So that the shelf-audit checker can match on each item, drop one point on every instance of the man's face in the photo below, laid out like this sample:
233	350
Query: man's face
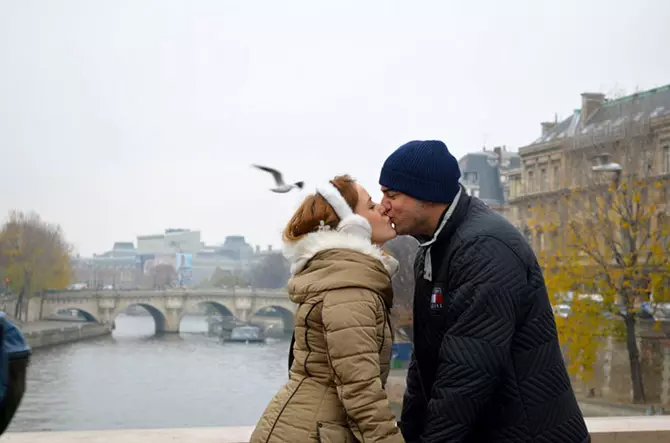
406	213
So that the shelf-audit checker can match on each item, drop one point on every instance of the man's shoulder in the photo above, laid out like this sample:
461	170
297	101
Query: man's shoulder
485	226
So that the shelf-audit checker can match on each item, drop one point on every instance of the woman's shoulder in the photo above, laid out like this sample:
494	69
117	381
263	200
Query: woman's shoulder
355	299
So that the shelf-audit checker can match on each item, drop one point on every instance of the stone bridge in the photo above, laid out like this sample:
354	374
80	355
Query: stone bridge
166	307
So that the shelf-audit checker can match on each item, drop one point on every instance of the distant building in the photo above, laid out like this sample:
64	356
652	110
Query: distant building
172	241
112	269
484	175
125	267
234	257
236	248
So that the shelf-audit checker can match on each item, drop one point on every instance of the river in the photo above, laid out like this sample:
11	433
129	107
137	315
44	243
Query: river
134	379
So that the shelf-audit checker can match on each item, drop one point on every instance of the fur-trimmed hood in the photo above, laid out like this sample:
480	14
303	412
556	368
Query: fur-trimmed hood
327	260
300	252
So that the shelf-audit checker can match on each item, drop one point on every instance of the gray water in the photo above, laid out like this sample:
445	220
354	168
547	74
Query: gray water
134	379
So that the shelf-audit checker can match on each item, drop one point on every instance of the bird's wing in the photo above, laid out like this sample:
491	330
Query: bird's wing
276	174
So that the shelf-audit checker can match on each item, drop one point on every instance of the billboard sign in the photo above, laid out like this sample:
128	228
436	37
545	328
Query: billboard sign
184	267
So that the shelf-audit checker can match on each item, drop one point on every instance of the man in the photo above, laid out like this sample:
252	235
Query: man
487	366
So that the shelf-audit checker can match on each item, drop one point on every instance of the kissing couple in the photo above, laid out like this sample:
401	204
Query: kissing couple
486	363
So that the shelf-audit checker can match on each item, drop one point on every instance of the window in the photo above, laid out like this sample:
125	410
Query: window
530	185
471	177
518	187
555	177
543	179
666	159
648	166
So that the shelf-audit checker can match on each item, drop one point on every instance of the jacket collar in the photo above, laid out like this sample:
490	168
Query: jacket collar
451	219
300	252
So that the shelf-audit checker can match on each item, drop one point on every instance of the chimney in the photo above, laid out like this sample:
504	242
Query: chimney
498	152
546	127
258	249
269	248
591	101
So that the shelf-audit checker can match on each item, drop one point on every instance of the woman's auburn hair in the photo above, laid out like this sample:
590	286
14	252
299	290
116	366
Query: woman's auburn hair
314	209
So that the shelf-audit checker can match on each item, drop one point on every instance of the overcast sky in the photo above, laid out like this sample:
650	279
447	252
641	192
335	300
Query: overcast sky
123	118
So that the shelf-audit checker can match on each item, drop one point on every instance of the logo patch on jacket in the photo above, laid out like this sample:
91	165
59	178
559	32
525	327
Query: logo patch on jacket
436	299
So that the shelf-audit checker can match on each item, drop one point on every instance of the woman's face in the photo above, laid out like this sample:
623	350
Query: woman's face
382	231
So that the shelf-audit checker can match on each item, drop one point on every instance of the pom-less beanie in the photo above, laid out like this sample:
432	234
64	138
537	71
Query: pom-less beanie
425	170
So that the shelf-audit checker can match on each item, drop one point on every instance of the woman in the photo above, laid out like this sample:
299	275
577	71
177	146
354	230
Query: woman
340	357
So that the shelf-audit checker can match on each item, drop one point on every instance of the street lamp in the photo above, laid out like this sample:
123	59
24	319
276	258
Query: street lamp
610	167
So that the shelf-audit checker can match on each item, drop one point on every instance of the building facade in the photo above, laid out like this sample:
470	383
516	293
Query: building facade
485	175
112	269
632	132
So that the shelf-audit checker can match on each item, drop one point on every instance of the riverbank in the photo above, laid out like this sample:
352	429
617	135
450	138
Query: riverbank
41	334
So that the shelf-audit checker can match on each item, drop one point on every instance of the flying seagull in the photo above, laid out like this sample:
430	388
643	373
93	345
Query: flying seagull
279	180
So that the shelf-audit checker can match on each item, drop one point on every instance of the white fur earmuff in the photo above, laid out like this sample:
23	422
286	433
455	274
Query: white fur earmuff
350	223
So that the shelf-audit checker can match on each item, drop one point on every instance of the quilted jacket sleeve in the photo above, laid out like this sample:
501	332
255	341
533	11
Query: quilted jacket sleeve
350	322
476	348
414	404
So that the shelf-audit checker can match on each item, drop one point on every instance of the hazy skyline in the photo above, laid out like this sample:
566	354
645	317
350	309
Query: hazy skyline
124	118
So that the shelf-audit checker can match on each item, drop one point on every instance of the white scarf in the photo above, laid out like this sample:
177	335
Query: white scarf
425	247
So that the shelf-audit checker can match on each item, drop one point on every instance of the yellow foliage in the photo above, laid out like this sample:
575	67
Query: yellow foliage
581	335
33	255
611	252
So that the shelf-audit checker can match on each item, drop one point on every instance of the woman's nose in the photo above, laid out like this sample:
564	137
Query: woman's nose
385	205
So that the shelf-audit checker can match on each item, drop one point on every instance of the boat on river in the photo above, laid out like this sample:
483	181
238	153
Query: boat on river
246	334
235	331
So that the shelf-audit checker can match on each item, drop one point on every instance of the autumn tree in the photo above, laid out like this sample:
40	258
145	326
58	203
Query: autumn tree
34	257
228	280
404	250
164	275
271	272
605	241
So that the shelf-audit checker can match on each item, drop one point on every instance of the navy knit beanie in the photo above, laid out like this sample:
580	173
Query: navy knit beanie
425	170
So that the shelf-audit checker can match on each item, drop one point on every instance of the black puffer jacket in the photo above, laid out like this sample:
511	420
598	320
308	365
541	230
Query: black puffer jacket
487	366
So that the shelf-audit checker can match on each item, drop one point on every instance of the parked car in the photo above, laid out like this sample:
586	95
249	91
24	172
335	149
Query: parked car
562	310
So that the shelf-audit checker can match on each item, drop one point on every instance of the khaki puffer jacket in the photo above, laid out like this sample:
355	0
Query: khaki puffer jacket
342	348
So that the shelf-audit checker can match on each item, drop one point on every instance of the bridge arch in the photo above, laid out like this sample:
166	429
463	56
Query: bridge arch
262	315
156	314
82	313
219	308
221	312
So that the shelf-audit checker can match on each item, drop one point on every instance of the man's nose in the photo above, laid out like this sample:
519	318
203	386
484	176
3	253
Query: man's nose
386	205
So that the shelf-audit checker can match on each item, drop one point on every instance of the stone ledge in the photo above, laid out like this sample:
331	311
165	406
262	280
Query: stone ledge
182	435
603	430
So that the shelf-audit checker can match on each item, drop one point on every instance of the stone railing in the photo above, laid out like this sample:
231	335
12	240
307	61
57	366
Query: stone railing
603	430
